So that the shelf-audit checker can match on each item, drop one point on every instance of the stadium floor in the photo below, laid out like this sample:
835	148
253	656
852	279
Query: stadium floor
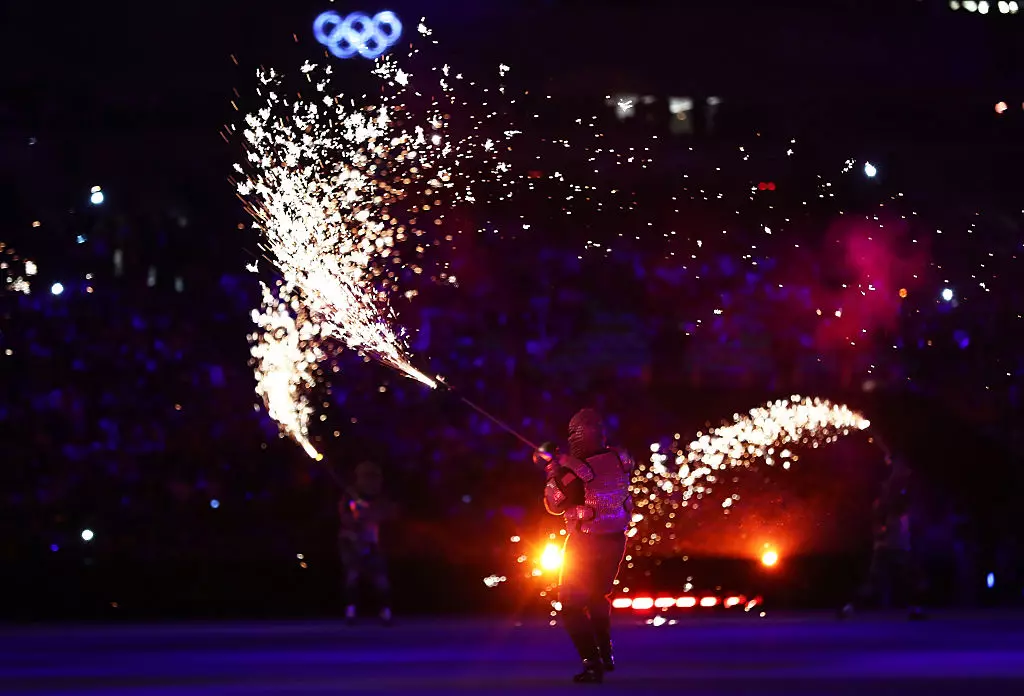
775	655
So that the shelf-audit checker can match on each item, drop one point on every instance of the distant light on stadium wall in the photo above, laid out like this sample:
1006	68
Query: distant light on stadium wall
679	105
96	196
1001	107
870	170
56	289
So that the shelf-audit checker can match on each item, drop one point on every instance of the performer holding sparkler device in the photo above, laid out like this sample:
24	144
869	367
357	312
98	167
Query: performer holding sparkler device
590	488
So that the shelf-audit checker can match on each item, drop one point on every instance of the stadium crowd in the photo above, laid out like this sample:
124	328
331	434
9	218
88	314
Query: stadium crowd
128	406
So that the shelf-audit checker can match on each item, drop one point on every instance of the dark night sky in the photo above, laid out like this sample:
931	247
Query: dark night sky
116	89
174	55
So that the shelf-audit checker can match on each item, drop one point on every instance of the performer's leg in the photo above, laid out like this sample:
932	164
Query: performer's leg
350	567
868	592
611	549
913	584
382	583
872	592
574	595
887	577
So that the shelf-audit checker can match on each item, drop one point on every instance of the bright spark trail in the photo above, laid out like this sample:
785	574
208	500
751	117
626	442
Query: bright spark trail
285	356
766	435
339	191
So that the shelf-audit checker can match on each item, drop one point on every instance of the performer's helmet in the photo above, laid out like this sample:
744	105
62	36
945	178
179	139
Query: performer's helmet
545	453
900	477
369	478
586	434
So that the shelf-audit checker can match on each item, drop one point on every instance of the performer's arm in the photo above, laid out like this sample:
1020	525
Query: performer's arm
347	519
562	490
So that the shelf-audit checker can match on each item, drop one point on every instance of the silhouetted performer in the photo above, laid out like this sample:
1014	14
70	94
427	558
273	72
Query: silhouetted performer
362	509
590	487
894	569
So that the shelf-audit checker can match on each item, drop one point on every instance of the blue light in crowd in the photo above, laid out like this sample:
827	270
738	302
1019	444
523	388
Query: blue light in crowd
947	294
215	503
54	548
80	239
990	580
56	288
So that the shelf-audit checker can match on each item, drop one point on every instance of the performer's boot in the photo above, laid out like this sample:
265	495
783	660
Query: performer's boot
603	638
581	632
593	672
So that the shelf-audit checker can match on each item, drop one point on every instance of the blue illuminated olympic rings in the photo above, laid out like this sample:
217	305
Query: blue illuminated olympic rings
358	33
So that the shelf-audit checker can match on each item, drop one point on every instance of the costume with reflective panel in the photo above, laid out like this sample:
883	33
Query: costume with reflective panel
362	509
590	488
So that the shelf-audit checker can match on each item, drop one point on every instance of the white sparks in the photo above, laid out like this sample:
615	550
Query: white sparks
756	437
285	357
342	193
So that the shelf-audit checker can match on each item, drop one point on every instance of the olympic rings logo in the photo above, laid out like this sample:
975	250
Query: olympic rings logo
358	33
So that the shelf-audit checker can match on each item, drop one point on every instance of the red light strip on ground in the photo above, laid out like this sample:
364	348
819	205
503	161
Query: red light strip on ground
648	603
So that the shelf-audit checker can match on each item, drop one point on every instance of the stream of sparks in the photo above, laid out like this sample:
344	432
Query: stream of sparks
340	189
285	356
766	435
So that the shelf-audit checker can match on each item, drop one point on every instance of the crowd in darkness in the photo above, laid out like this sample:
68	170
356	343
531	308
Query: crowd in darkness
128	404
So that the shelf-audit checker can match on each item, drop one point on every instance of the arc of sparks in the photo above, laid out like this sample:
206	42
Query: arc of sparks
765	434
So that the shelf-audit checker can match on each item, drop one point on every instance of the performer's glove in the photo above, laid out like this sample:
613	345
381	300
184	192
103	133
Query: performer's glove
547	456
